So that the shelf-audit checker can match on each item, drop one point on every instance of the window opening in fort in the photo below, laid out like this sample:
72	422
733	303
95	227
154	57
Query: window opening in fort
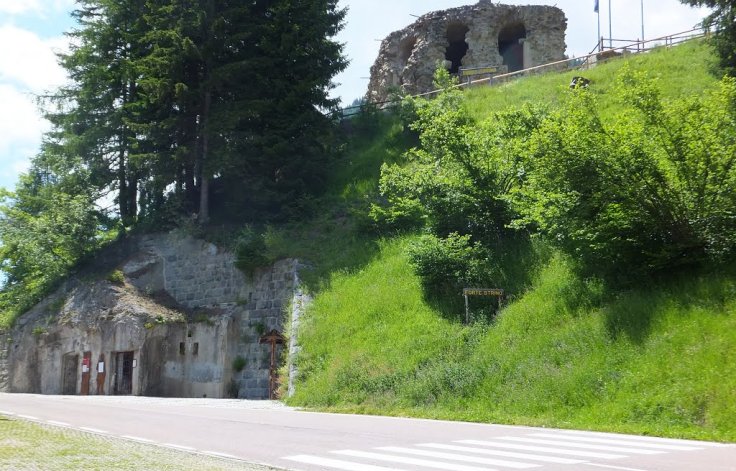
511	47
195	348
406	47
456	45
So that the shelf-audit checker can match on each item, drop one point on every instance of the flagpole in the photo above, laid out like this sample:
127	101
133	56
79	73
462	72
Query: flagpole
599	39
642	20
610	27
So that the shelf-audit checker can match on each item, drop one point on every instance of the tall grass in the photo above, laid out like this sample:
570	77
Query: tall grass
566	354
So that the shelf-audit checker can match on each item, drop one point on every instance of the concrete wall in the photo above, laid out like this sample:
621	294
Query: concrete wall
219	310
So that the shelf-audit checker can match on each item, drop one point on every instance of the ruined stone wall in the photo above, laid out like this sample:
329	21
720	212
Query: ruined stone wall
408	58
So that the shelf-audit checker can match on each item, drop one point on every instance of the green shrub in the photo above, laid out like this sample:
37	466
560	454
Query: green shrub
116	277
444	265
251	251
645	193
239	363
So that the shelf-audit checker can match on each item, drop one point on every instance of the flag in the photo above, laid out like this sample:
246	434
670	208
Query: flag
595	6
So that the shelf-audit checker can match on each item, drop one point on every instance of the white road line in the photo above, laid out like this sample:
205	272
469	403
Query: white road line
338	464
587	446
94	430
137	439
455	457
607	441
544	449
637	438
507	454
221	455
29	417
56	422
615	467
179	447
407	460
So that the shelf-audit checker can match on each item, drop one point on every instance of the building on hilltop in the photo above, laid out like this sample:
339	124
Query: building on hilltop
482	35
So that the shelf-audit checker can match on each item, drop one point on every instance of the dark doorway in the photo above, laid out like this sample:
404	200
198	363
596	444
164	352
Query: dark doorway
123	373
70	366
456	45
510	47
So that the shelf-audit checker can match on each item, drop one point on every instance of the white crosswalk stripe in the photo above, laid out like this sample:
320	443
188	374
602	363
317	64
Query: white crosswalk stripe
456	457
543	449
507	454
611	441
412	461
525	451
338	464
671	441
587	446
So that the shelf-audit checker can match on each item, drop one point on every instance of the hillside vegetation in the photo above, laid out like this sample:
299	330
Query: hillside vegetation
568	349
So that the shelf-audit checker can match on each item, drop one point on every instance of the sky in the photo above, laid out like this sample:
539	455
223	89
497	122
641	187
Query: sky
32	31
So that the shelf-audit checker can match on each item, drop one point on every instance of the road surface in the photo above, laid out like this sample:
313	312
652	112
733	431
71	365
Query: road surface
266	433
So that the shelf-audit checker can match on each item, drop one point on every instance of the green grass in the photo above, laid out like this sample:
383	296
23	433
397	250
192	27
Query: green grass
27	445
686	69
565	352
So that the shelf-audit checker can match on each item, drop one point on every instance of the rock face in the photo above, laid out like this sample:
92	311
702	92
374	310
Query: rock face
182	321
481	35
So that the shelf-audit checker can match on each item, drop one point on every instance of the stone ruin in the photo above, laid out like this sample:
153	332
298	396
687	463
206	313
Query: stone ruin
508	37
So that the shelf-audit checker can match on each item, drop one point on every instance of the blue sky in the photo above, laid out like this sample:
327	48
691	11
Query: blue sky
32	30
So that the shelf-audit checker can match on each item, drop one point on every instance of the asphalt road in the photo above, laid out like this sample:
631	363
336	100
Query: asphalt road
266	433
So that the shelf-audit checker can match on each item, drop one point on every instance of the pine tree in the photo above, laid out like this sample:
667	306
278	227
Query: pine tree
723	18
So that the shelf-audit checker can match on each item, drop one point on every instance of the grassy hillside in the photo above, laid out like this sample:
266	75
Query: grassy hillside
566	352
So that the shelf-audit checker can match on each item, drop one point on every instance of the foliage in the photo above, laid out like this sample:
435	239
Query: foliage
455	184
644	194
116	276
46	227
723	18
239	363
251	251
445	265
165	101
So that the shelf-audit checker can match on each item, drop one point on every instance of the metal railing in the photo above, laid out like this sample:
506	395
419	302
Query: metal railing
599	53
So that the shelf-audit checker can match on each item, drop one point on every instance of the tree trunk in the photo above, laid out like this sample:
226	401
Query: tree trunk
204	187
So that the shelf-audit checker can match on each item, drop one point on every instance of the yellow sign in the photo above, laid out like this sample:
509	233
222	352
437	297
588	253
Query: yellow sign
479	71
482	292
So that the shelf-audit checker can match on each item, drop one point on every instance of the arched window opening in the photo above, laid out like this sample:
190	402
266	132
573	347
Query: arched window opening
456	45
510	46
406	47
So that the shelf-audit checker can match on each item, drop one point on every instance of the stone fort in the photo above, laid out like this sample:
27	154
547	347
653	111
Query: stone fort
486	34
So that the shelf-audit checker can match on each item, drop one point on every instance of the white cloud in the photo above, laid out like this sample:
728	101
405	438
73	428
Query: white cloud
30	63
27	68
43	7
16	7
21	126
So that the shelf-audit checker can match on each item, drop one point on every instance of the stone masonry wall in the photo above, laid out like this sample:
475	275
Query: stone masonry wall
198	274
4	345
408	58
187	351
